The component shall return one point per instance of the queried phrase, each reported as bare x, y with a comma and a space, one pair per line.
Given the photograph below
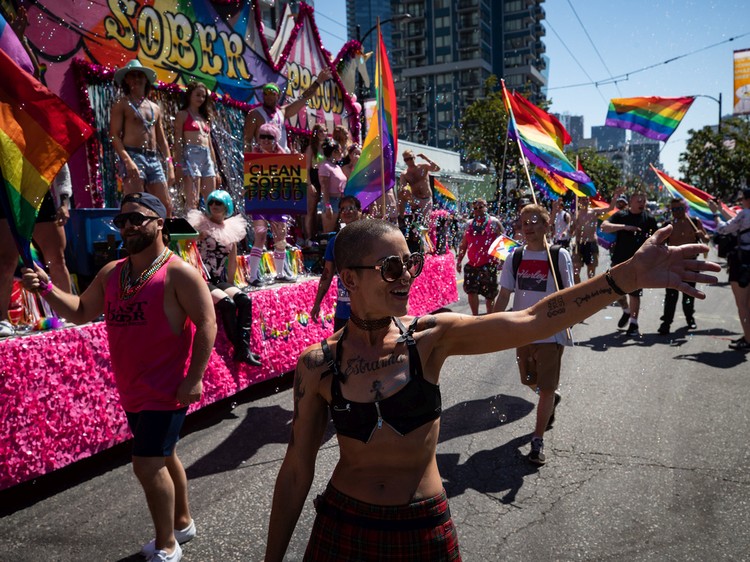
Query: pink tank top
148, 359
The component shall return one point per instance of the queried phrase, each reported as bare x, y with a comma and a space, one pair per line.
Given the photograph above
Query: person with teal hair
220, 232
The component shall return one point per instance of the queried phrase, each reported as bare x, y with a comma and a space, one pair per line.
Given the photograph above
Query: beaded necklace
129, 289
479, 224
147, 123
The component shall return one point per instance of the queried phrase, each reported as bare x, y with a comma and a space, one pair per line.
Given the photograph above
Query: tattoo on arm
580, 301
314, 359
555, 306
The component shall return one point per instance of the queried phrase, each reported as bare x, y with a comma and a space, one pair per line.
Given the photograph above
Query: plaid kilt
349, 530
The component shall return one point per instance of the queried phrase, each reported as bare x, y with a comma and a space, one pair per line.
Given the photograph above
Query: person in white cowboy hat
137, 132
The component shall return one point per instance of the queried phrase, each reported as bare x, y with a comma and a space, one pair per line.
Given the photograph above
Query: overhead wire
572, 56
627, 75
596, 50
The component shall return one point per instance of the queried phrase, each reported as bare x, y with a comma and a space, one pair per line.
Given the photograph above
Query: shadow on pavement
618, 339
28, 493
502, 469
483, 414
718, 359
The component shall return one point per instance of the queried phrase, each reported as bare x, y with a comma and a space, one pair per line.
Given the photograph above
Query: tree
484, 127
605, 175
718, 163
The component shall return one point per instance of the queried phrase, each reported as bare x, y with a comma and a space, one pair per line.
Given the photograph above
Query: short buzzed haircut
538, 209
358, 239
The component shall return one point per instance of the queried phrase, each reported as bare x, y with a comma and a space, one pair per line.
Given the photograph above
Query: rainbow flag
444, 197
10, 43
541, 137
653, 117
375, 171
696, 199
548, 180
38, 133
502, 247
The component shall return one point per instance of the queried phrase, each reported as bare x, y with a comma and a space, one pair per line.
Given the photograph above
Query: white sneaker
162, 556
6, 329
180, 535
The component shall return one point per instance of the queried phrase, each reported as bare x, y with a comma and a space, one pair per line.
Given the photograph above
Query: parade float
58, 401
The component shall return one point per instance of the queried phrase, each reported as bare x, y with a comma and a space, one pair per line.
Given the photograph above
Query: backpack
554, 254
727, 243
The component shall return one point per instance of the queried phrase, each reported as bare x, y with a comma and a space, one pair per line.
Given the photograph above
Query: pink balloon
357, 107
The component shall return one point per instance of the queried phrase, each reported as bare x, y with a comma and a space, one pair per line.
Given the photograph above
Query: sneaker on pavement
284, 278
551, 421
691, 324
162, 556
738, 340
742, 345
633, 330
664, 329
623, 320
180, 535
257, 283
537, 451
6, 329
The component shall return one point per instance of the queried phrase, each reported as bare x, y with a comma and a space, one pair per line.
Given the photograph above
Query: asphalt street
648, 460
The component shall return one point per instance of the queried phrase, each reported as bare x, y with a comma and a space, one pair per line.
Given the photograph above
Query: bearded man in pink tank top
161, 328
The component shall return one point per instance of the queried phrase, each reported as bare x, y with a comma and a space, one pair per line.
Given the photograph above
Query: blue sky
624, 38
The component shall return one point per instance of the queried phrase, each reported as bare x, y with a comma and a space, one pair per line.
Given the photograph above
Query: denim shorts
155, 432
197, 161
149, 165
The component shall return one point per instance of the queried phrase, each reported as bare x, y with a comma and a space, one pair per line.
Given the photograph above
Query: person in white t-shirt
531, 280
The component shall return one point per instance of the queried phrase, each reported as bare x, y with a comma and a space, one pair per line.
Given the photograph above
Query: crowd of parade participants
386, 492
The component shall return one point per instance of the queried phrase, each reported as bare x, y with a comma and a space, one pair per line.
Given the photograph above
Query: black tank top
416, 404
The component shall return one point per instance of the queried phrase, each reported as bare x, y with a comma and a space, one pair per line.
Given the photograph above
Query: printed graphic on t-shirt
127, 314
532, 275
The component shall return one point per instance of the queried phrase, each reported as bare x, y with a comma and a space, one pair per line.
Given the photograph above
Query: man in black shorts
480, 274
632, 228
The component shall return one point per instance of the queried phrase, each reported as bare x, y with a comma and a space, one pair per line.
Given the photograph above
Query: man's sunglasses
346, 208
533, 220
136, 219
392, 267
678, 209
266, 137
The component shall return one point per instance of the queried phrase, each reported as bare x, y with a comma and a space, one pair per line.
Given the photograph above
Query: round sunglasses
392, 267
134, 218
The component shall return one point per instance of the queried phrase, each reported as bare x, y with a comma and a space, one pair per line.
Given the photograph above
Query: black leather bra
416, 404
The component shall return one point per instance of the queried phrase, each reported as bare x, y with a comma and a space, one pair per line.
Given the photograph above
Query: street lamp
360, 86
717, 101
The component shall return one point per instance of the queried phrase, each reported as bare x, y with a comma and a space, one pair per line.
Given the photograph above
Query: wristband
612, 284
168, 160
46, 288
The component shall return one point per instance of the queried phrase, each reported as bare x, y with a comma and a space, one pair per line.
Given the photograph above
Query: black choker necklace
369, 325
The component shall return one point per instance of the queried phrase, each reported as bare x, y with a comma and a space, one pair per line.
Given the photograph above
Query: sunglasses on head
135, 218
266, 137
392, 267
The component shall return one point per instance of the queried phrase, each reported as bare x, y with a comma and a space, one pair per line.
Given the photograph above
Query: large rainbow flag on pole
38, 133
653, 117
696, 199
375, 171
541, 137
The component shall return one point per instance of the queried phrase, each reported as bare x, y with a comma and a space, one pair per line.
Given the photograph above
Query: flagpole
505, 152
380, 125
533, 194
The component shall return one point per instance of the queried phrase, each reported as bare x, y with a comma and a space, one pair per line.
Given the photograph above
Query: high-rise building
643, 151
574, 125
608, 138
445, 50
